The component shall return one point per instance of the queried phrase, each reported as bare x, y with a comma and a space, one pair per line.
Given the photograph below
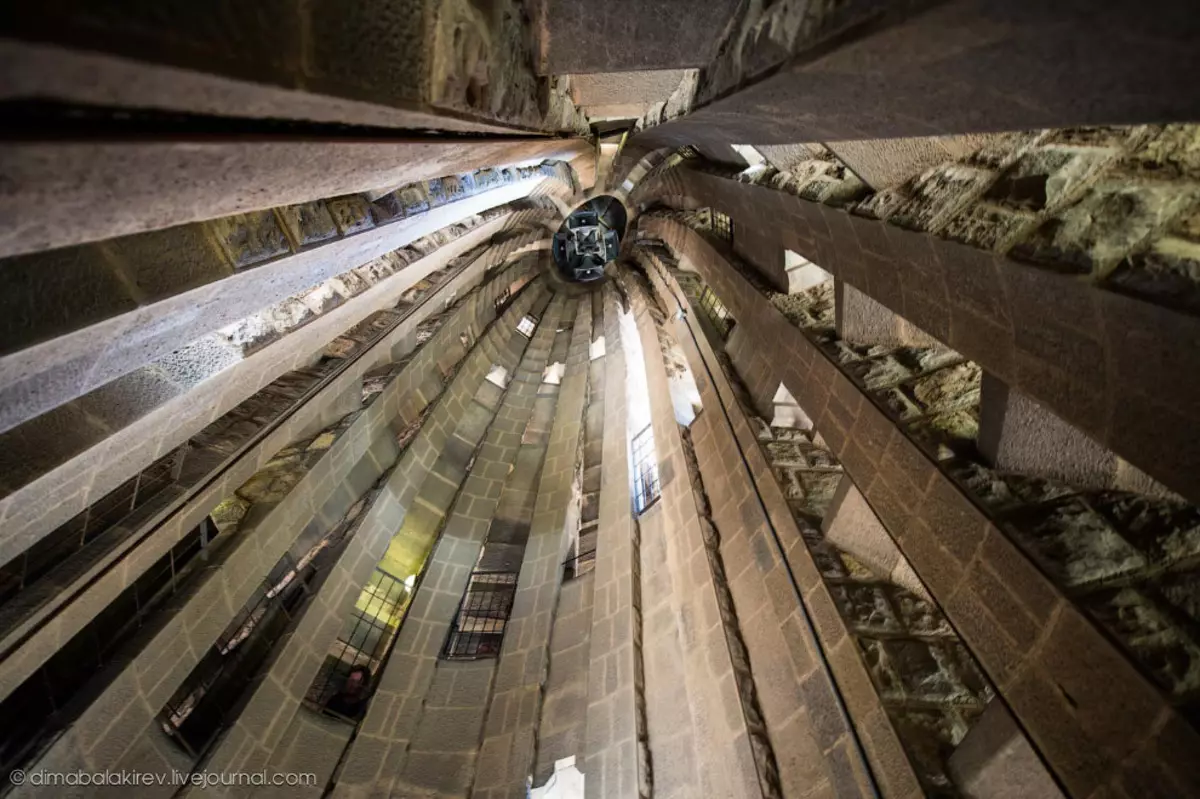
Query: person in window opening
351, 701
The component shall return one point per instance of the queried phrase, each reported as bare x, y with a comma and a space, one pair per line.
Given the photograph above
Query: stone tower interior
560, 399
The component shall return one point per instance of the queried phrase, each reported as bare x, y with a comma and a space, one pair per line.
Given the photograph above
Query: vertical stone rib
617, 761
511, 733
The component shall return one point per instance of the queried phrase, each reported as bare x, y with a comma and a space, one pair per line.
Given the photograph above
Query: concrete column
510, 734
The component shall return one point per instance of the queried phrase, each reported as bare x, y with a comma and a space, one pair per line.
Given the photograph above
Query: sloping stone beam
80, 317
1117, 367
71, 480
27, 642
872, 70
58, 194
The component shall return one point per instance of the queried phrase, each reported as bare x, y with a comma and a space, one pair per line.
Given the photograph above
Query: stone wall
277, 738
85, 477
1034, 645
1031, 315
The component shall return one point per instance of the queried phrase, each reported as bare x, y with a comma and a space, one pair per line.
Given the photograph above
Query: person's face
354, 682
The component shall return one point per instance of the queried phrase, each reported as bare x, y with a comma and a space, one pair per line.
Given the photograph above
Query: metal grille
71, 537
197, 711
581, 563
716, 312
479, 626
722, 226
502, 300
645, 470
366, 638
41, 706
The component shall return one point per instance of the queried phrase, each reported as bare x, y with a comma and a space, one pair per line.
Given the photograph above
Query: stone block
123, 401
996, 761
957, 526
308, 223
250, 238
862, 320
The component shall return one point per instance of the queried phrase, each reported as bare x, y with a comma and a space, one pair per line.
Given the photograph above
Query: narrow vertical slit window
716, 312
646, 489
527, 325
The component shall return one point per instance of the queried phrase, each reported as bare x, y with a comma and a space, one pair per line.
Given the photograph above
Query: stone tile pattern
104, 735
1008, 257
71, 480
1127, 558
1036, 648
562, 731
143, 546
699, 743
510, 735
780, 596
118, 728
410, 506
218, 447
387, 751
616, 754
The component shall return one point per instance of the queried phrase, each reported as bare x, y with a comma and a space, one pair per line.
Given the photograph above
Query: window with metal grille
478, 628
198, 710
366, 638
716, 312
46, 702
527, 325
81, 539
502, 301
722, 225
646, 489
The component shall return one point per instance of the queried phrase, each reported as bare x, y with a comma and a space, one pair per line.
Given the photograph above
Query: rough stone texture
196, 290
1019, 436
915, 72
104, 467
513, 727
381, 756
887, 163
666, 36
1036, 328
996, 761
699, 732
396, 521
224, 439
861, 320
615, 88
60, 195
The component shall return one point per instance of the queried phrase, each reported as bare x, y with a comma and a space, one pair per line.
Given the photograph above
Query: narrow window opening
478, 628
646, 488
718, 315
498, 376
526, 326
